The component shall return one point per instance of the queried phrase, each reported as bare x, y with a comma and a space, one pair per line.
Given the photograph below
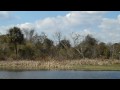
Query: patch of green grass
97, 67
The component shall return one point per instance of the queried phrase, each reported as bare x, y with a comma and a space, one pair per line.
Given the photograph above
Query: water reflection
60, 74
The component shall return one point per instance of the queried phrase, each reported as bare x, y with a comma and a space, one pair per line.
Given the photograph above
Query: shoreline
65, 65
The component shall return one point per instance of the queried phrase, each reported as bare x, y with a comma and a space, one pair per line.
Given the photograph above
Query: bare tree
57, 36
77, 38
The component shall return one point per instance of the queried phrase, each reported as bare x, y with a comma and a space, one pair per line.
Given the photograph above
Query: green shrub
27, 52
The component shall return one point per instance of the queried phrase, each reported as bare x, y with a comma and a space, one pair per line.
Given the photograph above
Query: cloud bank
82, 22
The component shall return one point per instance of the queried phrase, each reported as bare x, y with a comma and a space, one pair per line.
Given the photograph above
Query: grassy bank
61, 65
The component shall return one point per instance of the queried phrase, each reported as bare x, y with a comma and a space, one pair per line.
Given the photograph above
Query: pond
59, 74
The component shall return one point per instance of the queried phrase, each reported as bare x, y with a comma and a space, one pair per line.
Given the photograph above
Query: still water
60, 75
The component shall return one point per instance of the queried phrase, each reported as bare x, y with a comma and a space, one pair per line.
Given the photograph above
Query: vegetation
26, 50
20, 44
60, 65
15, 37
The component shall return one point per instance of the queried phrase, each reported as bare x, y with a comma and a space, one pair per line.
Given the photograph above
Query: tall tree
16, 37
47, 43
90, 44
89, 40
64, 44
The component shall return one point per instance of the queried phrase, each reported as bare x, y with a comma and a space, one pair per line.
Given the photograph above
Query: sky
103, 25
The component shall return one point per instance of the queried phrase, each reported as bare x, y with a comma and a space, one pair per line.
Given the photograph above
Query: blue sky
30, 16
103, 25
112, 14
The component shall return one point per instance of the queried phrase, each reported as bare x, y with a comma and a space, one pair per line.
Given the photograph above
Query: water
60, 74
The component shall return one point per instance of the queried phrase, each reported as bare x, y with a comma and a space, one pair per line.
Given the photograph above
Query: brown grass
58, 65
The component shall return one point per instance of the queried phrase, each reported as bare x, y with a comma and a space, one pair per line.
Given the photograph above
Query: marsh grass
60, 65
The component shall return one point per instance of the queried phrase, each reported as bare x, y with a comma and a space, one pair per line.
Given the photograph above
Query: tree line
20, 44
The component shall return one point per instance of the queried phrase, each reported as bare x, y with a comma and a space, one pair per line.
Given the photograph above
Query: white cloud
24, 26
73, 21
70, 21
86, 32
82, 22
4, 29
110, 29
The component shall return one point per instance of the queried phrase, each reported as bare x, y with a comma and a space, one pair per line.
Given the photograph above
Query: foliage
31, 45
27, 52
15, 37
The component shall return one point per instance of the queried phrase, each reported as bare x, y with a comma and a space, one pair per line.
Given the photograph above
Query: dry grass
61, 65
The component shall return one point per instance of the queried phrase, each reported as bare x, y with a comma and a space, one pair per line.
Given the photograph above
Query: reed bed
60, 65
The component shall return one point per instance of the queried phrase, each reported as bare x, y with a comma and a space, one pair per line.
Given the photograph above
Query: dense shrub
15, 45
